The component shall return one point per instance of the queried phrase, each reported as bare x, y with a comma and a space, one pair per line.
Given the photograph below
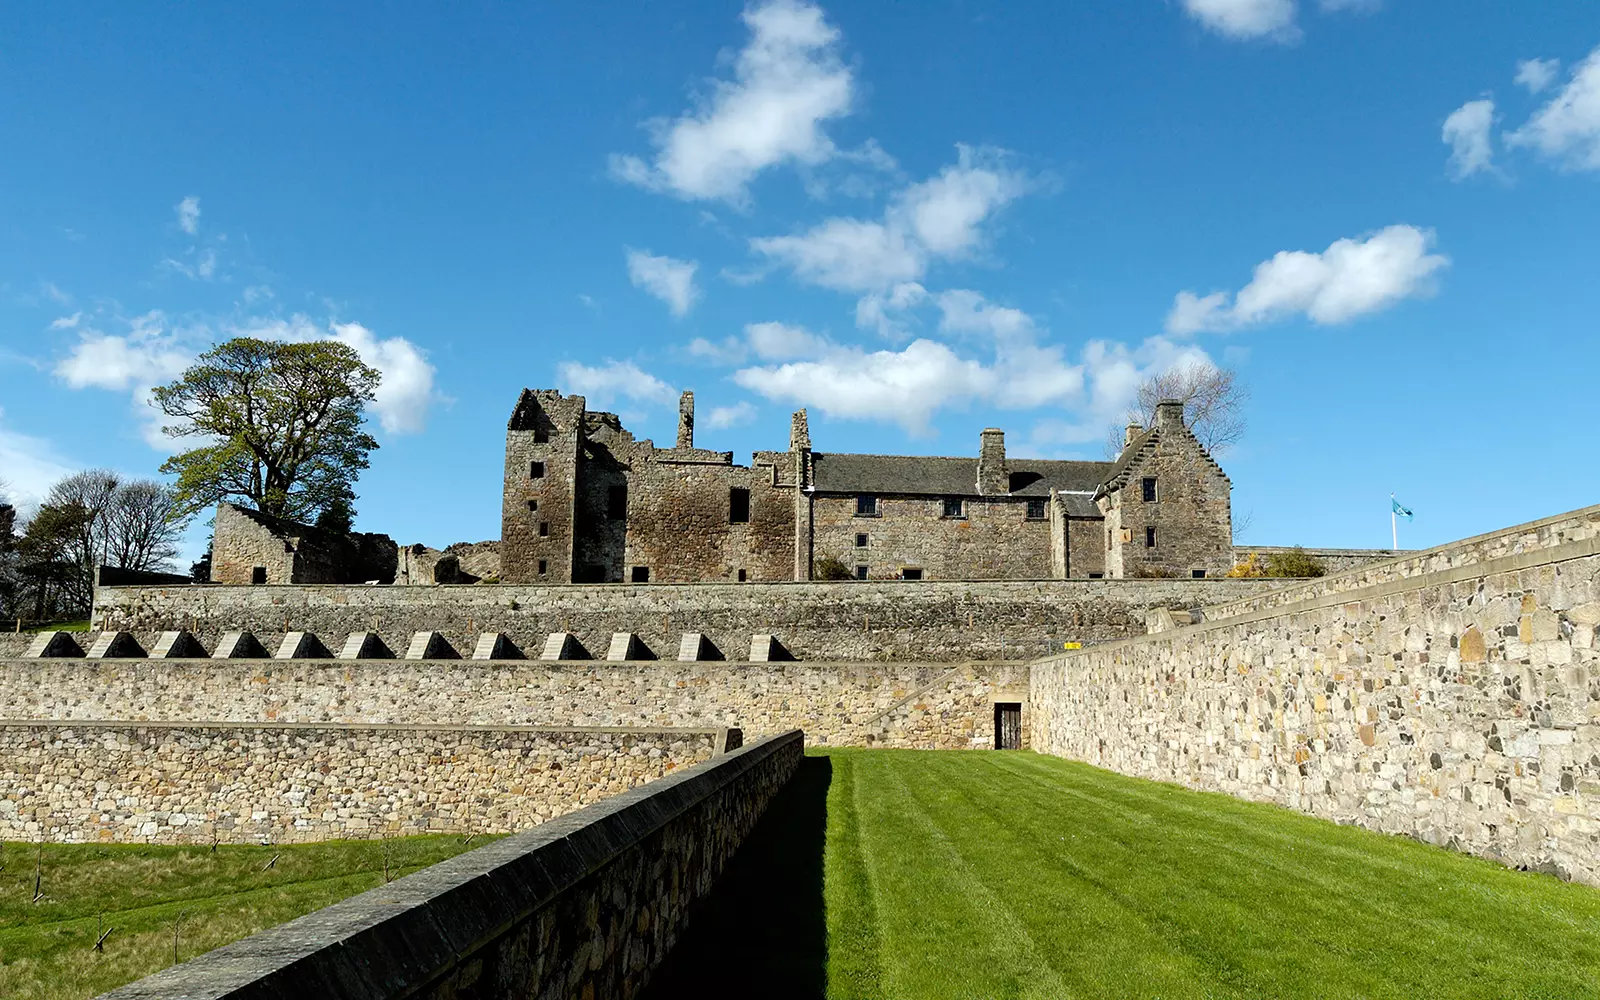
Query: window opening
535, 470
866, 505
741, 576
617, 503
861, 541
738, 505
1036, 510
953, 507
1150, 538
544, 567
1198, 574
533, 505
910, 574
544, 529
861, 572
258, 574
1148, 485
641, 574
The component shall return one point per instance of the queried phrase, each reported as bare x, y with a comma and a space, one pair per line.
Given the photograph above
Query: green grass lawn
966, 874
145, 894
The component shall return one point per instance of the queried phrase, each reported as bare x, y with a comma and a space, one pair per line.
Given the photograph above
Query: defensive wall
1452, 695
1332, 560
584, 906
239, 782
906, 621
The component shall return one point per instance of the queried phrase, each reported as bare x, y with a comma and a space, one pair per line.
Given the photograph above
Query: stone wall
993, 539
186, 783
1460, 706
1332, 560
581, 907
1533, 536
904, 705
245, 542
907, 621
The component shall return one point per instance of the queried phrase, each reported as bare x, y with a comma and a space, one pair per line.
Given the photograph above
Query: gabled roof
947, 476
1141, 448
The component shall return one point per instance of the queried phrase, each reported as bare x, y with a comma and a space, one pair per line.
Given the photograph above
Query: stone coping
384, 727
396, 939
464, 665
698, 584
1514, 563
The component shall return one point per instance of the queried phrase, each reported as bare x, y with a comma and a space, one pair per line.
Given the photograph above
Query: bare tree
1213, 403
142, 526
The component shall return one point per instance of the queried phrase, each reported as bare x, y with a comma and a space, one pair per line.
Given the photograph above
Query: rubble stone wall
1461, 706
993, 539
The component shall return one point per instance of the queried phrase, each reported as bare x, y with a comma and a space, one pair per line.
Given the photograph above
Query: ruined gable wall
994, 541
559, 419
679, 521
1192, 514
240, 543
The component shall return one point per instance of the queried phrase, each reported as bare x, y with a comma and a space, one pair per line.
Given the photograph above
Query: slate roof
941, 476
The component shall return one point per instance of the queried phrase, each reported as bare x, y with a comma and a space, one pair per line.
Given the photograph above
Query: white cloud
204, 267
604, 383
55, 294
668, 279
1112, 373
1351, 278
889, 312
1246, 19
30, 465
1567, 128
721, 417
1537, 74
67, 322
1466, 132
784, 342
938, 218
787, 82
402, 398
189, 215
148, 354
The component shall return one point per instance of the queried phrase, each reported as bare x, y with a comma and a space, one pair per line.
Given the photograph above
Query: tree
133, 524
1213, 401
285, 423
831, 568
47, 563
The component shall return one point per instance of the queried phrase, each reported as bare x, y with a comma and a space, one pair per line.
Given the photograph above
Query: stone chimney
994, 479
1169, 414
799, 432
686, 419
1133, 430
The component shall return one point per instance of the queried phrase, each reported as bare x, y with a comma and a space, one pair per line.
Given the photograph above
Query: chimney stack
1169, 414
799, 432
1133, 430
994, 479
686, 419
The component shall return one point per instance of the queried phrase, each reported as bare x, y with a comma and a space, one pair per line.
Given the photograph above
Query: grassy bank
162, 902
960, 874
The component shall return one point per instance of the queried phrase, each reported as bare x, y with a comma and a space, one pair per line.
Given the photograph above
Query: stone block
115, 645
179, 645
239, 646
53, 644
365, 646
496, 646
628, 646
563, 646
431, 646
697, 646
301, 646
766, 648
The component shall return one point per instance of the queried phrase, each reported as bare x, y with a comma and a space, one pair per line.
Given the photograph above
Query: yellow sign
1072, 645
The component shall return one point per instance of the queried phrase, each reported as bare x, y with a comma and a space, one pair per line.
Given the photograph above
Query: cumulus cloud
1352, 278
1246, 19
1537, 74
889, 312
721, 417
784, 341
942, 217
153, 350
1567, 128
602, 384
31, 466
788, 81
189, 214
67, 322
1466, 132
668, 279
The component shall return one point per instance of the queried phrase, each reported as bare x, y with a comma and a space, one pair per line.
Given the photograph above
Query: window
1148, 486
1036, 510
741, 576
544, 567
535, 470
866, 505
861, 572
910, 574
641, 574
953, 507
544, 529
1198, 574
1150, 538
738, 505
1096, 576
861, 541
533, 505
617, 503
258, 575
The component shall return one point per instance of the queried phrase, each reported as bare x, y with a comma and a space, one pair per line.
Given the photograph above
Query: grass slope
957, 874
147, 893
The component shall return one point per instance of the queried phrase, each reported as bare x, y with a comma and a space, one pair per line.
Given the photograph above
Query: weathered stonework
236, 782
1458, 706
250, 547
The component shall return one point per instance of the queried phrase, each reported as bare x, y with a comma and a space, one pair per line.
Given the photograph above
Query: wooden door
1008, 725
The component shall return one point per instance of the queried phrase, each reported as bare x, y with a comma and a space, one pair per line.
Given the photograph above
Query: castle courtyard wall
906, 621
1460, 706
993, 539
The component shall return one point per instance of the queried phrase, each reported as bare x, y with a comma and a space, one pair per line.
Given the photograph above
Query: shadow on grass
761, 932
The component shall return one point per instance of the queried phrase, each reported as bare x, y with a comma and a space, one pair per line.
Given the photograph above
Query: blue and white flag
1399, 509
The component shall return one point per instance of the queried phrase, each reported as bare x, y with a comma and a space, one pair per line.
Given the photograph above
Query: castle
585, 502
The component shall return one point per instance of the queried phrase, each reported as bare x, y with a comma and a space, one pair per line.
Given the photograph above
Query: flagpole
1394, 525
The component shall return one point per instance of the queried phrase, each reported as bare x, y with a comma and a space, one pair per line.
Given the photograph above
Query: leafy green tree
282, 421
831, 568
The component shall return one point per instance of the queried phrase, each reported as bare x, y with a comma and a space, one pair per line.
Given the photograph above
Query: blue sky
918, 220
